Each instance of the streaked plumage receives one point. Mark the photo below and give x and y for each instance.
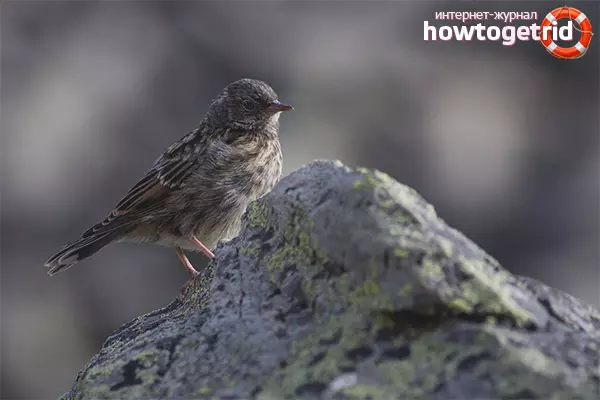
(201, 185)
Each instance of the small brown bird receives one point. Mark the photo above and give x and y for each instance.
(197, 191)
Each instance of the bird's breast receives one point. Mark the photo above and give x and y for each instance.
(263, 169)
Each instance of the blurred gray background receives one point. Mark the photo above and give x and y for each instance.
(504, 141)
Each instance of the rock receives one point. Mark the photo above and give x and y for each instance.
(345, 284)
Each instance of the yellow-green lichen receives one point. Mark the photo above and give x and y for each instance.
(365, 392)
(257, 215)
(405, 290)
(251, 249)
(323, 354)
(431, 270)
(204, 391)
(461, 306)
(446, 246)
(368, 289)
(278, 260)
(400, 253)
(366, 182)
(489, 291)
(387, 203)
(298, 248)
(146, 365)
(421, 372)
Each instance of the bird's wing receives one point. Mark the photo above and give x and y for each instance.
(168, 173)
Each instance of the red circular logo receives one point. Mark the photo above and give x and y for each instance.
(585, 28)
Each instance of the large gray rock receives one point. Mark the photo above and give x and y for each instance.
(345, 284)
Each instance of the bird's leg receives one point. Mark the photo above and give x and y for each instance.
(202, 247)
(186, 263)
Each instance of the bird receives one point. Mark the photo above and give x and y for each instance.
(196, 192)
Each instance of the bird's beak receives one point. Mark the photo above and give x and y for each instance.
(277, 106)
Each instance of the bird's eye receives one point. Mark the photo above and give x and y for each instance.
(247, 105)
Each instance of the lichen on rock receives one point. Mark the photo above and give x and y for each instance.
(345, 284)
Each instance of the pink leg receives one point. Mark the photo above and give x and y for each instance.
(186, 263)
(202, 247)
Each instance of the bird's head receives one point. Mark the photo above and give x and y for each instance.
(247, 104)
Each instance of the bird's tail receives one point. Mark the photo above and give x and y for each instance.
(80, 249)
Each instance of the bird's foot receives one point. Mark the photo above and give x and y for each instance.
(190, 280)
(186, 263)
(202, 247)
(188, 266)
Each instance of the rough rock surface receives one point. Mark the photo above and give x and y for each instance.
(345, 284)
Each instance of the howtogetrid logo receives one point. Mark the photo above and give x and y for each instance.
(547, 33)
